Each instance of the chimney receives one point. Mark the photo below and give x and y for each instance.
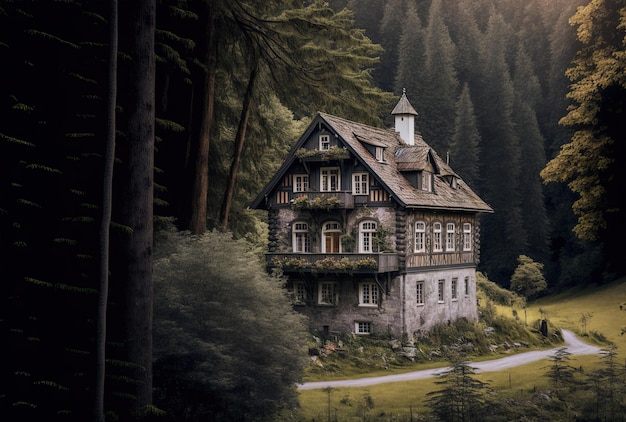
(405, 119)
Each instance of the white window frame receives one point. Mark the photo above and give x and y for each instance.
(453, 288)
(300, 237)
(466, 286)
(420, 237)
(360, 184)
(450, 238)
(367, 230)
(362, 327)
(331, 227)
(369, 294)
(467, 237)
(437, 243)
(426, 181)
(327, 174)
(300, 182)
(380, 154)
(324, 142)
(299, 292)
(419, 293)
(441, 291)
(324, 297)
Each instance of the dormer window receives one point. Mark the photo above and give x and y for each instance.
(427, 181)
(380, 154)
(324, 142)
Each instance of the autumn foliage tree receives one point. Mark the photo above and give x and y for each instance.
(592, 162)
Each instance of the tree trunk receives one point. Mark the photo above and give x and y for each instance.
(197, 223)
(239, 141)
(137, 201)
(107, 201)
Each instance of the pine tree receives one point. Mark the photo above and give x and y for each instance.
(608, 387)
(409, 74)
(464, 149)
(440, 82)
(394, 17)
(532, 155)
(560, 372)
(462, 396)
(503, 234)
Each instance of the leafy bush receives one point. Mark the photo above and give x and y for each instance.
(495, 293)
(224, 331)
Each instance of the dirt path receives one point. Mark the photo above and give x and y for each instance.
(574, 346)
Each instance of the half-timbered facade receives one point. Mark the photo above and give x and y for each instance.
(375, 232)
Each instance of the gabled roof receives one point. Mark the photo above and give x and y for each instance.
(400, 157)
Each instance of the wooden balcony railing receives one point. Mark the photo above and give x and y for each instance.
(334, 262)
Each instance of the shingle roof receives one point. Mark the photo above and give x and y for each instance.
(404, 106)
(399, 157)
(406, 157)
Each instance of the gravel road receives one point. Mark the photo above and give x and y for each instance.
(574, 345)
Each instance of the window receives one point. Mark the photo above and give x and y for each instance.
(420, 292)
(420, 236)
(299, 292)
(440, 290)
(437, 246)
(331, 237)
(301, 238)
(361, 327)
(426, 181)
(466, 287)
(367, 230)
(360, 185)
(324, 142)
(380, 153)
(450, 237)
(467, 237)
(368, 294)
(329, 179)
(453, 287)
(326, 294)
(300, 183)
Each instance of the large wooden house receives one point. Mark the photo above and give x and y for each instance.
(374, 231)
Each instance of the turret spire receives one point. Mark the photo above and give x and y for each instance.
(405, 119)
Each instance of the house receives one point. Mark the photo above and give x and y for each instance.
(373, 230)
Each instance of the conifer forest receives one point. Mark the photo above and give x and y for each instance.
(123, 124)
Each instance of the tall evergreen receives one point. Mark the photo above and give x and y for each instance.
(464, 149)
(441, 85)
(466, 36)
(532, 156)
(51, 101)
(503, 236)
(410, 72)
(394, 17)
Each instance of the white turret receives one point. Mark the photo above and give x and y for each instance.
(405, 119)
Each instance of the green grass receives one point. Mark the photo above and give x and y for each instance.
(397, 401)
(601, 302)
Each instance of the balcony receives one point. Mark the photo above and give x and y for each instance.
(334, 262)
(322, 200)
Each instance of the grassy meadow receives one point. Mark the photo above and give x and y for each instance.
(592, 312)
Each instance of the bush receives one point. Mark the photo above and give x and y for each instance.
(495, 293)
(224, 332)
